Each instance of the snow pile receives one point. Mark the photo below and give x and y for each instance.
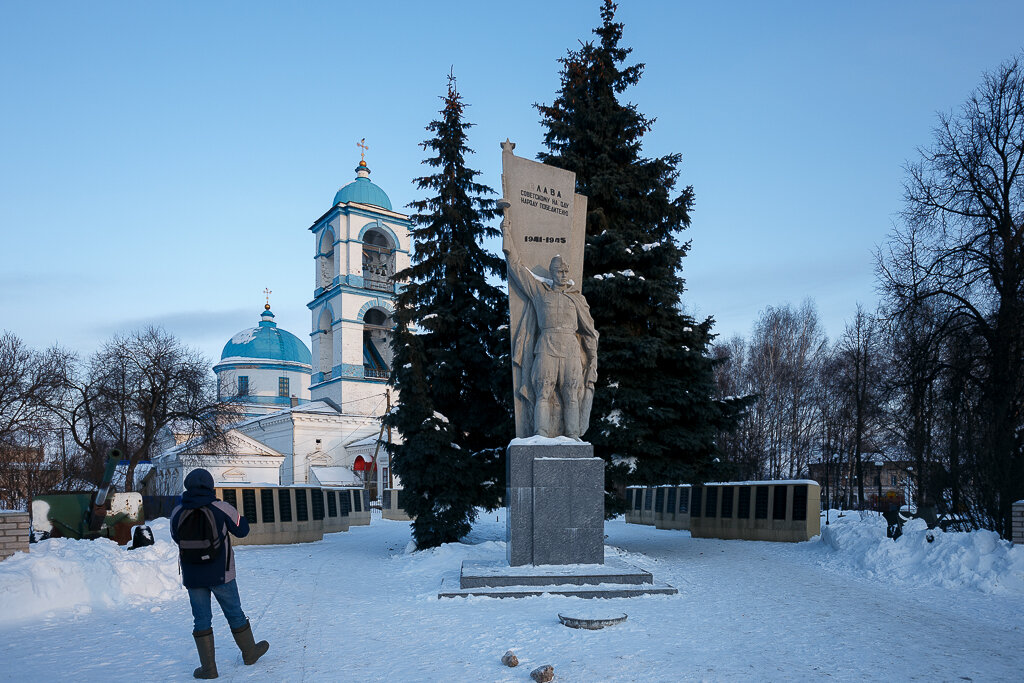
(979, 560)
(61, 574)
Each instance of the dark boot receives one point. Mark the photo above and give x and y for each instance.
(204, 643)
(251, 651)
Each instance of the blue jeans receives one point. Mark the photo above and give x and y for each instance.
(230, 604)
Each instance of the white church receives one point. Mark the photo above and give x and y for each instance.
(312, 418)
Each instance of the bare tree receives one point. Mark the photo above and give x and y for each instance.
(29, 382)
(859, 365)
(964, 220)
(782, 368)
(131, 389)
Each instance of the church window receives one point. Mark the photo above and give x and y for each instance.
(243, 385)
(377, 353)
(378, 261)
(325, 260)
(282, 386)
(326, 327)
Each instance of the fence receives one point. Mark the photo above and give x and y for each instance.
(295, 514)
(664, 507)
(1017, 529)
(392, 501)
(14, 531)
(750, 510)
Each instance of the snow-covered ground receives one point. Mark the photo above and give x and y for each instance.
(850, 605)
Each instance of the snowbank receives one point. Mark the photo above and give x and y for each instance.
(979, 560)
(61, 574)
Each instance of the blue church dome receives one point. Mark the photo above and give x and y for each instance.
(363, 191)
(267, 342)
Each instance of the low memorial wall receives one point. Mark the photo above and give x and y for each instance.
(290, 514)
(358, 506)
(14, 530)
(782, 510)
(1017, 529)
(664, 507)
(391, 505)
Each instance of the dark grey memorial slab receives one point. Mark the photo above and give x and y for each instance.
(555, 500)
(496, 579)
(450, 589)
(492, 574)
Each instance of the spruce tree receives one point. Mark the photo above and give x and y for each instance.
(451, 345)
(653, 405)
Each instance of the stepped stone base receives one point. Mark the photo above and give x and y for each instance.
(613, 579)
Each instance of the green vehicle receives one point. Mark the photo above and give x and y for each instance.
(88, 515)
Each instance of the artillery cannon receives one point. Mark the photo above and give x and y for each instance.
(87, 515)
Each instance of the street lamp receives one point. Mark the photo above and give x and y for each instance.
(879, 464)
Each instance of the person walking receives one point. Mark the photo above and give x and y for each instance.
(201, 526)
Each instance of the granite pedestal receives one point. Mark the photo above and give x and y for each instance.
(555, 497)
(555, 531)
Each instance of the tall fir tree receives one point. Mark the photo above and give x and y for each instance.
(451, 345)
(653, 403)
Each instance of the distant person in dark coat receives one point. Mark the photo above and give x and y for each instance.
(216, 577)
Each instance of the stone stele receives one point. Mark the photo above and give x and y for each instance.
(554, 343)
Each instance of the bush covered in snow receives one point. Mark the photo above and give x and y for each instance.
(978, 560)
(61, 574)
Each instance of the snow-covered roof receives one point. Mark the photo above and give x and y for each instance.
(335, 476)
(365, 441)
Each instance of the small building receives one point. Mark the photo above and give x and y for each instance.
(887, 483)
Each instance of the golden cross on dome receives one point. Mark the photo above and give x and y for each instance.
(362, 145)
(268, 293)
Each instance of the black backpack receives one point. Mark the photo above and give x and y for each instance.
(199, 541)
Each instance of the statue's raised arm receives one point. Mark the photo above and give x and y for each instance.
(519, 274)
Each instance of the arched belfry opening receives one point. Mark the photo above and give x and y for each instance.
(378, 260)
(377, 353)
(325, 260)
(326, 330)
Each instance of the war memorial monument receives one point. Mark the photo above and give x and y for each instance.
(555, 486)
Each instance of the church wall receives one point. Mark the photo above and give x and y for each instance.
(275, 432)
(263, 383)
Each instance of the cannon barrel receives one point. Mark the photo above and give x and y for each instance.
(99, 510)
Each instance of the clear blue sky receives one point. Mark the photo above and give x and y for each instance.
(161, 162)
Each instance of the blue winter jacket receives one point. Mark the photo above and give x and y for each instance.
(199, 492)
